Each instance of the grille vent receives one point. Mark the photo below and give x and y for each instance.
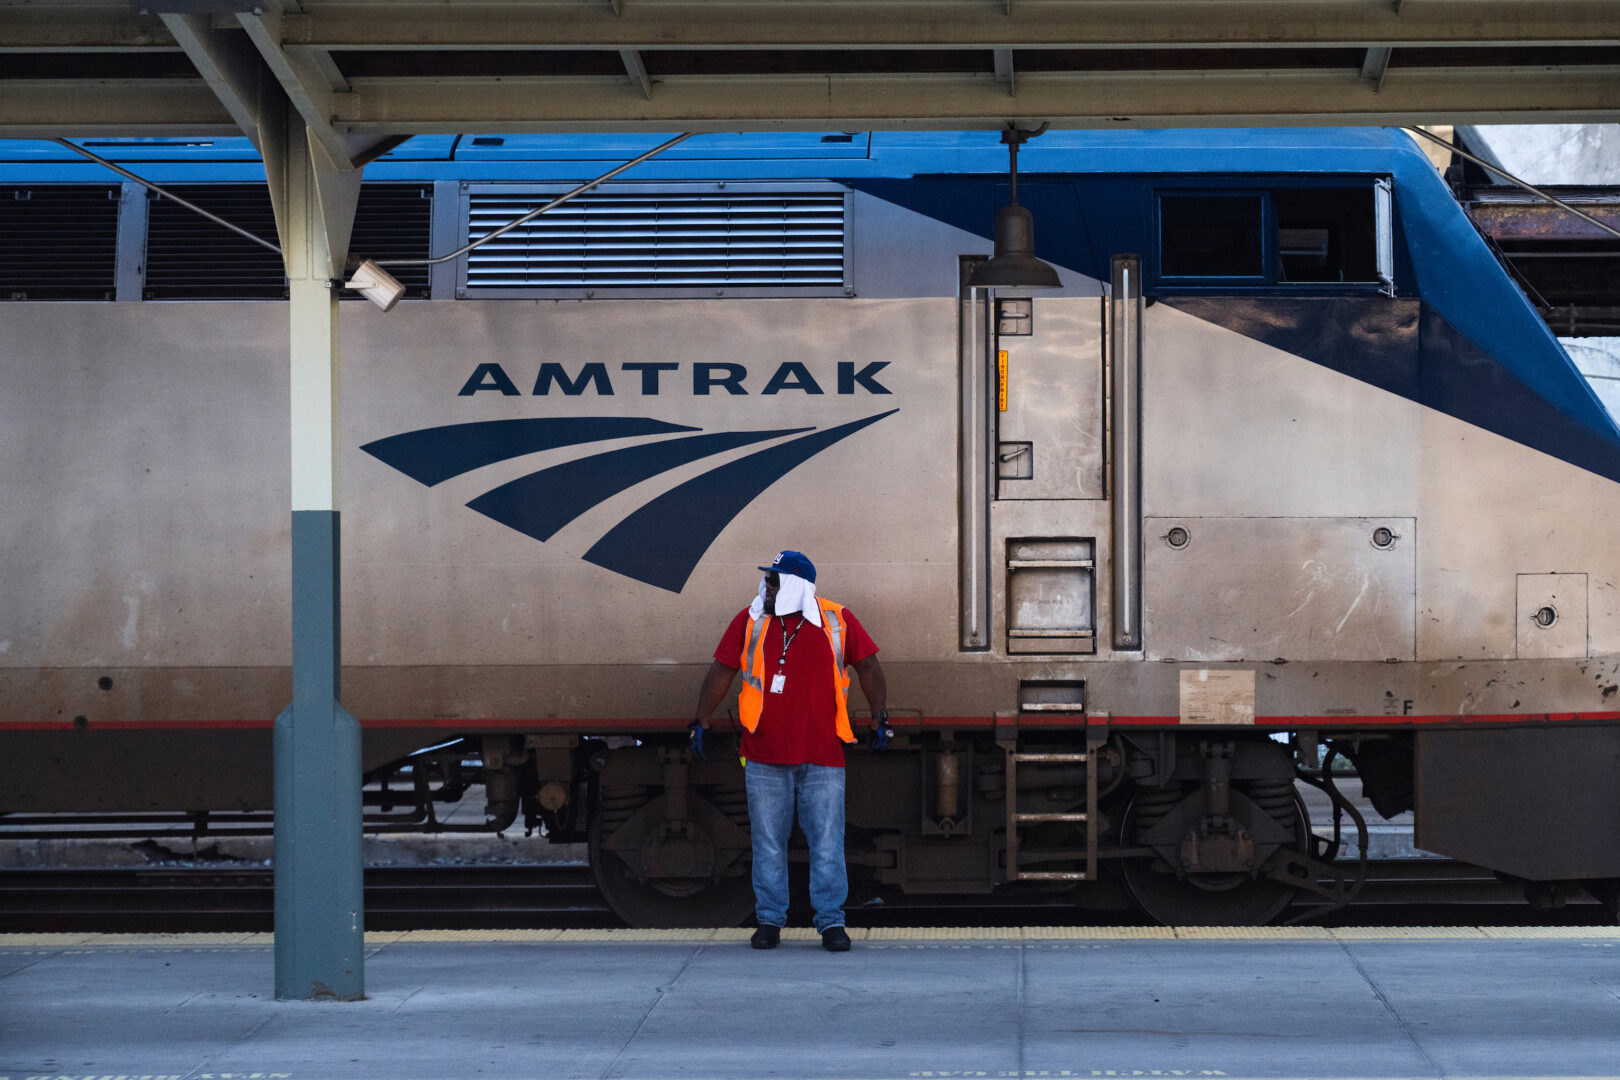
(59, 242)
(726, 238)
(189, 257)
(395, 221)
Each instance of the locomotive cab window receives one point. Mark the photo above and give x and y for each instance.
(1326, 235)
(1308, 237)
(1212, 236)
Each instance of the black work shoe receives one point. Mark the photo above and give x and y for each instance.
(767, 936)
(834, 939)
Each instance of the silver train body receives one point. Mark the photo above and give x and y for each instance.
(1113, 524)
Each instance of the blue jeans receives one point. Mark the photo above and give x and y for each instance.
(818, 791)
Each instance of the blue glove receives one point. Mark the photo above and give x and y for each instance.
(882, 733)
(695, 739)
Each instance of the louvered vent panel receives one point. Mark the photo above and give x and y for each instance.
(189, 257)
(394, 221)
(660, 240)
(58, 243)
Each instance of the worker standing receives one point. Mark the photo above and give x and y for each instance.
(793, 648)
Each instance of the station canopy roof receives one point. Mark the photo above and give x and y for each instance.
(362, 73)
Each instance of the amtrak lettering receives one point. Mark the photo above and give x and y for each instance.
(659, 543)
(705, 379)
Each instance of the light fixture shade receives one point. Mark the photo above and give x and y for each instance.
(1014, 265)
(376, 285)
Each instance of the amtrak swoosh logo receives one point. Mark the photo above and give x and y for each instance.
(661, 542)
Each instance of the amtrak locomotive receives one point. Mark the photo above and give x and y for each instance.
(1287, 471)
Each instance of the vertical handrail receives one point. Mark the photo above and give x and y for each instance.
(1126, 405)
(1093, 761)
(973, 465)
(1011, 748)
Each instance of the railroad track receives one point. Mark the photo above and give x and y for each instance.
(168, 899)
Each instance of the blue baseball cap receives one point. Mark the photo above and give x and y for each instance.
(795, 563)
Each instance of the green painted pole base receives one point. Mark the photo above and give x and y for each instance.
(320, 910)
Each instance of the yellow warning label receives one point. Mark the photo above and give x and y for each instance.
(1001, 380)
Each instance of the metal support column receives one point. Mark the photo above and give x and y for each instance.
(320, 917)
(133, 212)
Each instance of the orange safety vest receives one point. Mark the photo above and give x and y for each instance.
(751, 699)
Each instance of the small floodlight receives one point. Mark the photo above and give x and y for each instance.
(376, 285)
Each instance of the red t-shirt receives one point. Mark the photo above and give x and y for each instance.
(799, 725)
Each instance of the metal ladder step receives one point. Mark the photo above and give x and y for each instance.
(1049, 875)
(1015, 819)
(1047, 855)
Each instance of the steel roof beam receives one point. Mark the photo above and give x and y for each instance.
(321, 63)
(396, 107)
(1005, 72)
(882, 24)
(228, 65)
(307, 86)
(107, 27)
(871, 24)
(1375, 65)
(44, 108)
(1083, 99)
(633, 67)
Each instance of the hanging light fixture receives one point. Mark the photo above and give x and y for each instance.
(1013, 264)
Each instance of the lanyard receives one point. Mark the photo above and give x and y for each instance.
(787, 642)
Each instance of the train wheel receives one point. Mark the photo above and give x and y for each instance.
(626, 871)
(1206, 899)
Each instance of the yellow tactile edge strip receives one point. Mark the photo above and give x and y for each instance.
(1034, 934)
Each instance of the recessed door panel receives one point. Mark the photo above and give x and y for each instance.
(1290, 588)
(1049, 418)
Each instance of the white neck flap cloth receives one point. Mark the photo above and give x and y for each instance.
(796, 596)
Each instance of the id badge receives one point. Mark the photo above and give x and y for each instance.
(777, 682)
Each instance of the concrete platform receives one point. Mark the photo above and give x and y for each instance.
(919, 1005)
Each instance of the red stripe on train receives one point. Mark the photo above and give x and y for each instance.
(900, 722)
